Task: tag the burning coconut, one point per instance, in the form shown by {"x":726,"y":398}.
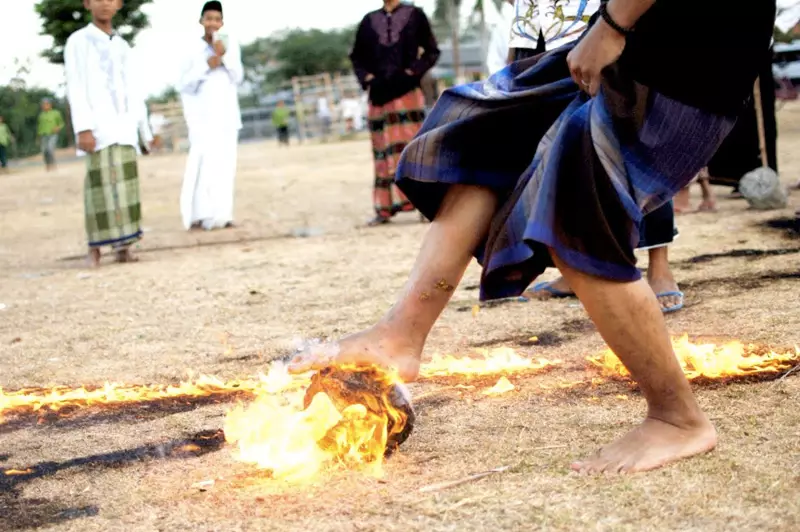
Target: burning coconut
{"x":349,"y":417}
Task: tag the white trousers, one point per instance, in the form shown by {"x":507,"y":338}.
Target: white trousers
{"x":208,"y":183}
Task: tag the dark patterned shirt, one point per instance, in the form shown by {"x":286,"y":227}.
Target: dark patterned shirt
{"x":387,"y":45}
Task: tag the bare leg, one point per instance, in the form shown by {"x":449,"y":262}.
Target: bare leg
{"x":397,"y":340}
{"x":628,"y":318}
{"x":709,"y":203}
{"x":660,"y":279}
{"x":681,"y":203}
{"x":93,"y":260}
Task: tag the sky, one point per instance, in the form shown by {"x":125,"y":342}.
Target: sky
{"x":173,"y":22}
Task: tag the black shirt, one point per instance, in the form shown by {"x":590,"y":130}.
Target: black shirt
{"x":704,"y":53}
{"x":389,"y":43}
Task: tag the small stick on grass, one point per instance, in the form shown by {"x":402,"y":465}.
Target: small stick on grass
{"x":791,"y":370}
{"x":453,"y":483}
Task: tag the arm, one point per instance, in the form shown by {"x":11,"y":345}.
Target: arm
{"x":193,"y":72}
{"x":77,"y":91}
{"x":602,"y":45}
{"x":427,"y":42}
{"x":233,"y":62}
{"x":627,"y":12}
{"x":359,"y":55}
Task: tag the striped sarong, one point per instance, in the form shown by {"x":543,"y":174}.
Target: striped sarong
{"x":111,"y":197}
{"x":392,"y":126}
{"x":573,"y":173}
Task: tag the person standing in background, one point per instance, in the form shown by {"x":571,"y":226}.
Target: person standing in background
{"x":280,"y":120}
{"x":210,"y":77}
{"x":6,"y":138}
{"x":498,"y":57}
{"x":387,"y":62}
{"x":50,"y":124}
{"x":109,"y":116}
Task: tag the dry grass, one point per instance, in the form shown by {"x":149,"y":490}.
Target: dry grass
{"x":262,"y":289}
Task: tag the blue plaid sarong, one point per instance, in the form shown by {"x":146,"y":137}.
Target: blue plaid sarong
{"x":573,"y":173}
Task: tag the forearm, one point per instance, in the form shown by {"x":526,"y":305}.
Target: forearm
{"x":233,"y":63}
{"x":627,"y":12}
{"x":193,"y":73}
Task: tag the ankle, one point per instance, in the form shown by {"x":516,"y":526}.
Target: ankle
{"x":687,"y":417}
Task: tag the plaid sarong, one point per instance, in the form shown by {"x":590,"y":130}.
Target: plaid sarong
{"x":573,"y":173}
{"x":111,"y":197}
{"x":392,"y":127}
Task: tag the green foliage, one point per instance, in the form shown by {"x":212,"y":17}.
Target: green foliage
{"x":61,"y":18}
{"x":20,"y":109}
{"x":271,"y":62}
{"x":308,"y":52}
{"x":170,"y":94}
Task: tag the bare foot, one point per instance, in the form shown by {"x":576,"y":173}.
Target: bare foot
{"x":93,"y":260}
{"x":375,"y":346}
{"x":126,"y":255}
{"x":651,"y":445}
{"x":707,"y":206}
{"x":544,"y":291}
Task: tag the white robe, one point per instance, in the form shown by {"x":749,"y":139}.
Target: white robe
{"x":211,"y":109}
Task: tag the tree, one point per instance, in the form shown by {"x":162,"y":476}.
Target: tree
{"x":170,"y":94}
{"x":61,"y":18}
{"x":308,"y":52}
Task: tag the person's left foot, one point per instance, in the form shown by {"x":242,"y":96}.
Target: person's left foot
{"x":378,"y":220}
{"x":126,"y":255}
{"x":665,"y":288}
{"x":230,"y":225}
{"x":651,"y":445}
{"x":707,"y":206}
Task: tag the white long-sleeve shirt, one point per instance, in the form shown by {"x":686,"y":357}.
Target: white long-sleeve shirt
{"x":497,"y":55}
{"x":210,"y":97}
{"x":102,"y":91}
{"x":559,"y":21}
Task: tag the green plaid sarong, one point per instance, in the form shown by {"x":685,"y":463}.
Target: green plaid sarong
{"x":111,"y":197}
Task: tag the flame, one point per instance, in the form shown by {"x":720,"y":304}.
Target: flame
{"x":336,"y":425}
{"x":55,"y":399}
{"x":711,"y":361}
{"x":489,"y":362}
{"x":503,"y":386}
{"x":35,"y":400}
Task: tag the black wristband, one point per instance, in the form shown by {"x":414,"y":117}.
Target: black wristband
{"x":613,"y":23}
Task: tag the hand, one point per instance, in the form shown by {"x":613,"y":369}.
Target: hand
{"x":410,"y":72}
{"x":368,"y":78}
{"x":214,"y":61}
{"x":86,"y":141}
{"x":219,"y":48}
{"x":601,"y":47}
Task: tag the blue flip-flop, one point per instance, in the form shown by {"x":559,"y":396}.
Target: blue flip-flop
{"x":673,"y":308}
{"x":546,"y":287}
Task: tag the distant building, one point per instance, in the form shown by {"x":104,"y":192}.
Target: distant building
{"x":471,"y":58}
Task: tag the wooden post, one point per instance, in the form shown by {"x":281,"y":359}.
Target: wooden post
{"x":762,"y":136}
{"x":298,"y":109}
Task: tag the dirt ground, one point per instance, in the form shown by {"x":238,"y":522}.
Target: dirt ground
{"x":300,"y":267}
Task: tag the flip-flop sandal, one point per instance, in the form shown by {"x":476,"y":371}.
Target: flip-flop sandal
{"x":673,"y":308}
{"x":546,"y":287}
{"x":378,"y":220}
